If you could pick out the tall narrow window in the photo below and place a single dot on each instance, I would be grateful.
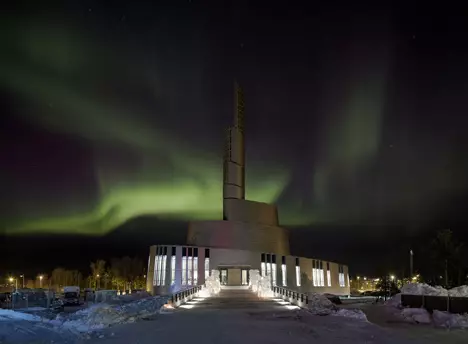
(172, 270)
(314, 273)
(163, 267)
(341, 278)
(262, 265)
(190, 266)
(298, 273)
(268, 266)
(195, 266)
(156, 275)
(329, 282)
(321, 275)
(207, 263)
(284, 275)
(273, 270)
(184, 266)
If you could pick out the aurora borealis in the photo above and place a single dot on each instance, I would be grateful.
(347, 121)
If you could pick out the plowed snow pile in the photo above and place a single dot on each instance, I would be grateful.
(104, 315)
(425, 289)
(319, 304)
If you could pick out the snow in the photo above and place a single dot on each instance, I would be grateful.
(416, 315)
(319, 304)
(103, 315)
(448, 320)
(394, 301)
(260, 284)
(8, 315)
(425, 289)
(212, 285)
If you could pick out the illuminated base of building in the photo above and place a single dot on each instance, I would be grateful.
(173, 268)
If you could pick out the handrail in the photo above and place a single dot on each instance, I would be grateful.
(293, 296)
(183, 294)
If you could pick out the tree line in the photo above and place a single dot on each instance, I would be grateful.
(119, 273)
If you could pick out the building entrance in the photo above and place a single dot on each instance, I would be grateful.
(234, 276)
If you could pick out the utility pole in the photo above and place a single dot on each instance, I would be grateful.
(411, 264)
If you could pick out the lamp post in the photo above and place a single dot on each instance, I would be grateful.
(40, 281)
(16, 282)
(22, 276)
(98, 282)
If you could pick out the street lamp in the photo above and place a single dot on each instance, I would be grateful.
(392, 277)
(11, 279)
(40, 281)
(22, 276)
(98, 282)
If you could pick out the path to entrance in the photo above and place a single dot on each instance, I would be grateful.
(232, 298)
(239, 316)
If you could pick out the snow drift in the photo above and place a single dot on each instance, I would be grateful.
(425, 289)
(104, 315)
(319, 304)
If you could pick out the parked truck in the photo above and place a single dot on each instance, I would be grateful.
(71, 295)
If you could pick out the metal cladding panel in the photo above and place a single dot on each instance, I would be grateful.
(236, 147)
(239, 235)
(250, 211)
(232, 191)
(234, 174)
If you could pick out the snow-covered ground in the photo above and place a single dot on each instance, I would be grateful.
(71, 327)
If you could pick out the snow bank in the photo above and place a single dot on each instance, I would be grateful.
(395, 301)
(103, 315)
(319, 304)
(8, 315)
(448, 320)
(425, 289)
(416, 315)
(350, 313)
(461, 291)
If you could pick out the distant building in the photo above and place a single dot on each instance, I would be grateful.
(248, 237)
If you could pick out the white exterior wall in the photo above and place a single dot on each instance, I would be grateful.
(220, 257)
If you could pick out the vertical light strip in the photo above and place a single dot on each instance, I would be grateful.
(163, 270)
(173, 270)
(284, 275)
(195, 270)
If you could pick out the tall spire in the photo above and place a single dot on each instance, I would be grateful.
(239, 107)
(234, 157)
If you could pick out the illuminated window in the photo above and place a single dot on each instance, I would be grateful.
(341, 276)
(244, 277)
(298, 276)
(189, 270)
(273, 273)
(163, 270)
(328, 275)
(184, 266)
(284, 276)
(262, 265)
(155, 275)
(268, 269)
(298, 273)
(195, 270)
(207, 263)
(173, 270)
(207, 268)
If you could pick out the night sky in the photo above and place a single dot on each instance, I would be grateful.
(114, 116)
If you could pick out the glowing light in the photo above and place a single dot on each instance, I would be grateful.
(187, 306)
(392, 277)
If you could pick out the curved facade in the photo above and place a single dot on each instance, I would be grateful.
(239, 235)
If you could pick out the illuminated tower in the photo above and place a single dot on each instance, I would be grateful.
(234, 155)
